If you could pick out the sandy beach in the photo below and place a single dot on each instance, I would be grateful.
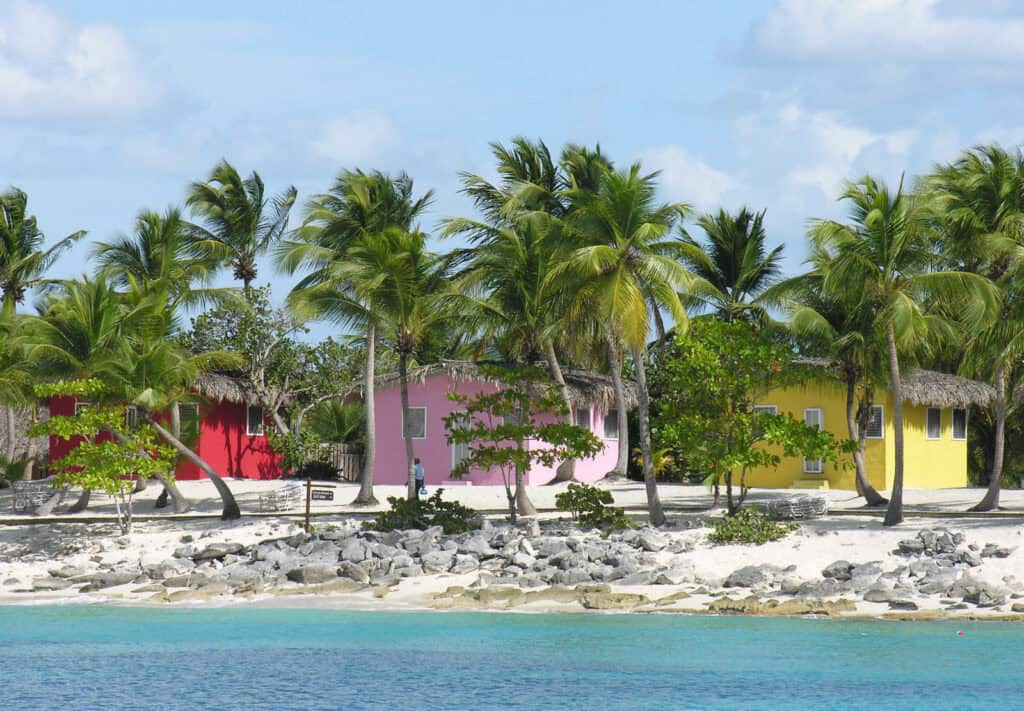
(57, 560)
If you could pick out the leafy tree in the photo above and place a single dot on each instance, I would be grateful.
(732, 266)
(358, 210)
(883, 257)
(710, 381)
(23, 261)
(507, 430)
(978, 218)
(98, 464)
(627, 269)
(239, 221)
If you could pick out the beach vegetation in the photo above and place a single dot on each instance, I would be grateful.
(593, 507)
(404, 514)
(749, 525)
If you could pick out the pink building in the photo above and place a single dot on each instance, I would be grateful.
(592, 396)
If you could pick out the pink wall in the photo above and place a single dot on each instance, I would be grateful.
(390, 464)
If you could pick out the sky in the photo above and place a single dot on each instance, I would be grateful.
(107, 108)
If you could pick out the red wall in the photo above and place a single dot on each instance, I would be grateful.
(223, 443)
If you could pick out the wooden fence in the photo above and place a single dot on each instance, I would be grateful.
(347, 458)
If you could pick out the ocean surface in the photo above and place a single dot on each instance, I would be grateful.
(81, 657)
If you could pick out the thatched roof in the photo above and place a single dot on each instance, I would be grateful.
(585, 387)
(929, 387)
(218, 387)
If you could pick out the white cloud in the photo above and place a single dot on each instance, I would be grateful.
(686, 178)
(52, 67)
(357, 138)
(818, 148)
(877, 32)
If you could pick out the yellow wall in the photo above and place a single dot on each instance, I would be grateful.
(928, 463)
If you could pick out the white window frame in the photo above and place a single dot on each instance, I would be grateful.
(815, 466)
(927, 434)
(79, 406)
(608, 418)
(248, 421)
(881, 419)
(131, 417)
(455, 447)
(766, 409)
(952, 424)
(576, 418)
(424, 423)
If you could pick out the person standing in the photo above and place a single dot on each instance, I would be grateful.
(420, 475)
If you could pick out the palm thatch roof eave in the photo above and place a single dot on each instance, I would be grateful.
(586, 388)
(927, 388)
(218, 387)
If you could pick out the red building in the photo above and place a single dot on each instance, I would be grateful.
(227, 429)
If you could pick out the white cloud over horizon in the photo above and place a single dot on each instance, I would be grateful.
(357, 138)
(51, 67)
(686, 178)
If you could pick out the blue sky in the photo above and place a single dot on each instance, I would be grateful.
(107, 108)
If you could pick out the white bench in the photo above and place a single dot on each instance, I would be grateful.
(796, 507)
(29, 496)
(283, 499)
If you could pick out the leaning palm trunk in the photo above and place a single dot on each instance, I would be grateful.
(894, 513)
(654, 509)
(181, 504)
(231, 510)
(365, 496)
(622, 463)
(403, 374)
(12, 433)
(524, 507)
(991, 498)
(566, 470)
(83, 502)
(857, 433)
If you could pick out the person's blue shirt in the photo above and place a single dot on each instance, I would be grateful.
(418, 471)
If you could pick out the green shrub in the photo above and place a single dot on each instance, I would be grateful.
(404, 514)
(590, 506)
(749, 526)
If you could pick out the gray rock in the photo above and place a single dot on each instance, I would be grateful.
(840, 570)
(186, 580)
(550, 547)
(526, 547)
(641, 577)
(355, 571)
(217, 550)
(825, 588)
(313, 573)
(186, 551)
(437, 562)
(353, 551)
(651, 541)
(68, 571)
(532, 528)
(50, 584)
(239, 575)
(902, 605)
(923, 568)
(464, 564)
(971, 558)
(879, 595)
(984, 598)
(571, 577)
(114, 578)
(523, 560)
(911, 546)
(749, 576)
(402, 560)
(408, 571)
(991, 550)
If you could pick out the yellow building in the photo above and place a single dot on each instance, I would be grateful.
(934, 433)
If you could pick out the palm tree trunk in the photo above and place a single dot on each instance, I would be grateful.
(864, 487)
(231, 510)
(365, 496)
(654, 509)
(403, 375)
(83, 502)
(615, 365)
(991, 498)
(566, 470)
(524, 507)
(181, 504)
(894, 513)
(12, 433)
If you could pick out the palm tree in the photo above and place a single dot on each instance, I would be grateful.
(732, 267)
(360, 207)
(978, 217)
(628, 262)
(844, 333)
(883, 252)
(240, 223)
(23, 261)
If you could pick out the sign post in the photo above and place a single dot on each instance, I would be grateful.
(317, 492)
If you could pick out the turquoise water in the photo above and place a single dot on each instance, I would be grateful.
(79, 657)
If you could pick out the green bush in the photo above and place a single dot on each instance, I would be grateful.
(749, 526)
(404, 514)
(590, 506)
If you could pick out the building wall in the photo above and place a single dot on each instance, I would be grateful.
(390, 463)
(223, 443)
(928, 463)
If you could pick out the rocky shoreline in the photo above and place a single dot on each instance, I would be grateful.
(549, 566)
